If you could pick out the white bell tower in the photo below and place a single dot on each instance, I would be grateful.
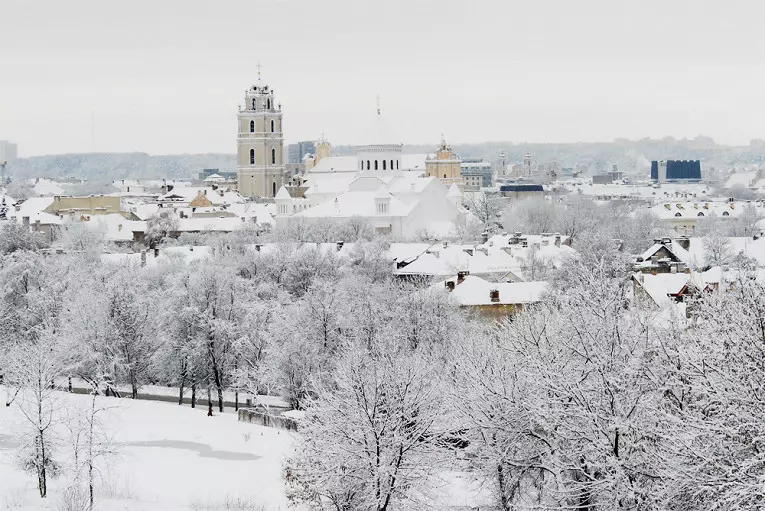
(260, 143)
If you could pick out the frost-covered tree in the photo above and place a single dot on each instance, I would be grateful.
(32, 370)
(370, 441)
(18, 237)
(160, 226)
(713, 454)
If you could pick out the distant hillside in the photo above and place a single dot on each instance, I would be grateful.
(111, 166)
(632, 156)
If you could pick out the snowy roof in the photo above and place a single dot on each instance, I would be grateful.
(696, 254)
(283, 194)
(189, 193)
(226, 224)
(475, 291)
(684, 210)
(662, 286)
(351, 204)
(454, 191)
(745, 179)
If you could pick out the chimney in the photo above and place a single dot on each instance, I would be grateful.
(205, 192)
(449, 285)
(37, 225)
(244, 219)
(339, 245)
(156, 252)
(557, 239)
(446, 243)
(494, 295)
(143, 258)
(257, 247)
(484, 237)
(119, 227)
(461, 276)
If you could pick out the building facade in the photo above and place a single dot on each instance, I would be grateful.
(675, 170)
(445, 166)
(8, 151)
(296, 152)
(476, 173)
(260, 144)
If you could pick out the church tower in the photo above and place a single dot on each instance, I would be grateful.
(260, 143)
(444, 166)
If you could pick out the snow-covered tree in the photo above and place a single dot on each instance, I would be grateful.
(370, 441)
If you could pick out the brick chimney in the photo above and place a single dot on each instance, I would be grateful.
(494, 295)
(461, 276)
(449, 284)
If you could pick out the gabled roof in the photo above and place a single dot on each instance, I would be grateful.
(282, 194)
(475, 291)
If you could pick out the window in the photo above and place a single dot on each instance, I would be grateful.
(272, 126)
(391, 164)
(382, 207)
(268, 104)
(376, 165)
(252, 156)
(444, 176)
(273, 157)
(254, 104)
(273, 187)
(701, 213)
(396, 165)
(367, 164)
(252, 126)
(385, 164)
(725, 213)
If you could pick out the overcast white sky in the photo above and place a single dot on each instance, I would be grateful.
(166, 76)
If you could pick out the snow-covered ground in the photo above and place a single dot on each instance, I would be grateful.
(170, 458)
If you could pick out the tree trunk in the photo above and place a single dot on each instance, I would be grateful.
(183, 382)
(70, 384)
(90, 451)
(194, 395)
(209, 400)
(42, 478)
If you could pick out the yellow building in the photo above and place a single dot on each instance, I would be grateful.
(260, 144)
(91, 205)
(445, 166)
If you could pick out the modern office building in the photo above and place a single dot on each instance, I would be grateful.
(675, 170)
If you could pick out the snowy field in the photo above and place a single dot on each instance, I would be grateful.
(169, 458)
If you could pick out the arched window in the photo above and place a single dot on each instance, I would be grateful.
(391, 164)
(252, 126)
(385, 164)
(368, 167)
(376, 165)
(268, 103)
(273, 157)
(273, 187)
(272, 126)
(252, 156)
(725, 213)
(397, 165)
(678, 214)
(701, 213)
(254, 104)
